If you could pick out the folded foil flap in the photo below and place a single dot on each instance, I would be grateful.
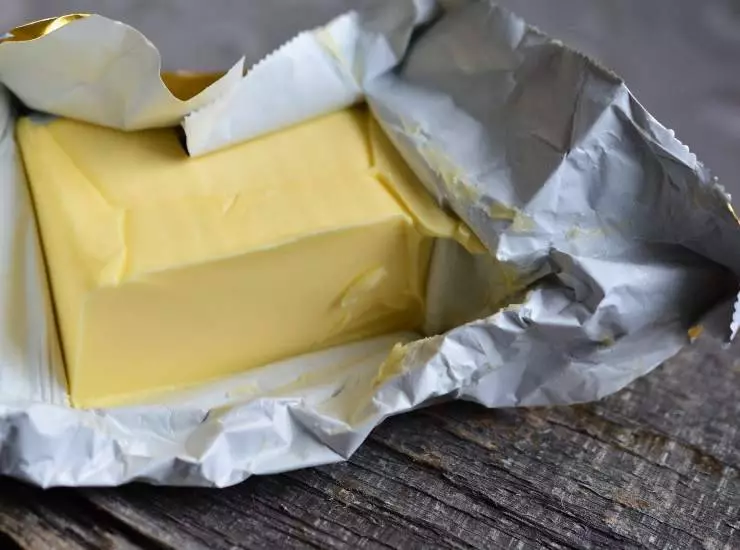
(316, 72)
(100, 71)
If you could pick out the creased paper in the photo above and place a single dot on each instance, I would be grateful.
(607, 239)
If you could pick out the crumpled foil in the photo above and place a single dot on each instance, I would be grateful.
(607, 239)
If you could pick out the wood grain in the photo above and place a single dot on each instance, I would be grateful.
(654, 466)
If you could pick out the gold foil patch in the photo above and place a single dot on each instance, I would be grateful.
(185, 84)
(37, 29)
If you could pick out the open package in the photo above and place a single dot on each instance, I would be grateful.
(205, 278)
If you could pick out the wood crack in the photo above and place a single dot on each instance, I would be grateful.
(434, 497)
(8, 542)
(510, 514)
(622, 448)
(344, 526)
(277, 520)
(700, 455)
(379, 506)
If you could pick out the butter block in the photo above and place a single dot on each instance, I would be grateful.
(169, 271)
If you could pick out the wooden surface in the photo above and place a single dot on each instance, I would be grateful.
(656, 465)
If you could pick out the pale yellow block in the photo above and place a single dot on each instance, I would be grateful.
(169, 271)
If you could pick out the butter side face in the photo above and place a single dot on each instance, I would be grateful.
(168, 271)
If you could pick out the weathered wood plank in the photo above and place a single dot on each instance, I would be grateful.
(57, 519)
(655, 466)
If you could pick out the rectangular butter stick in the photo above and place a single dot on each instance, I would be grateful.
(169, 271)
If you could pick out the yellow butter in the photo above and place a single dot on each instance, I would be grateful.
(168, 271)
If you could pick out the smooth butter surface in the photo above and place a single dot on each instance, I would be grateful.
(169, 271)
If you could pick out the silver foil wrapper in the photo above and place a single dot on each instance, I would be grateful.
(607, 240)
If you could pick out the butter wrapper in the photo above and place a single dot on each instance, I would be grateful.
(607, 239)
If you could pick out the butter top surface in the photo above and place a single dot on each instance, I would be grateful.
(168, 271)
(251, 196)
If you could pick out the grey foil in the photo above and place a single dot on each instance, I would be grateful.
(607, 241)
